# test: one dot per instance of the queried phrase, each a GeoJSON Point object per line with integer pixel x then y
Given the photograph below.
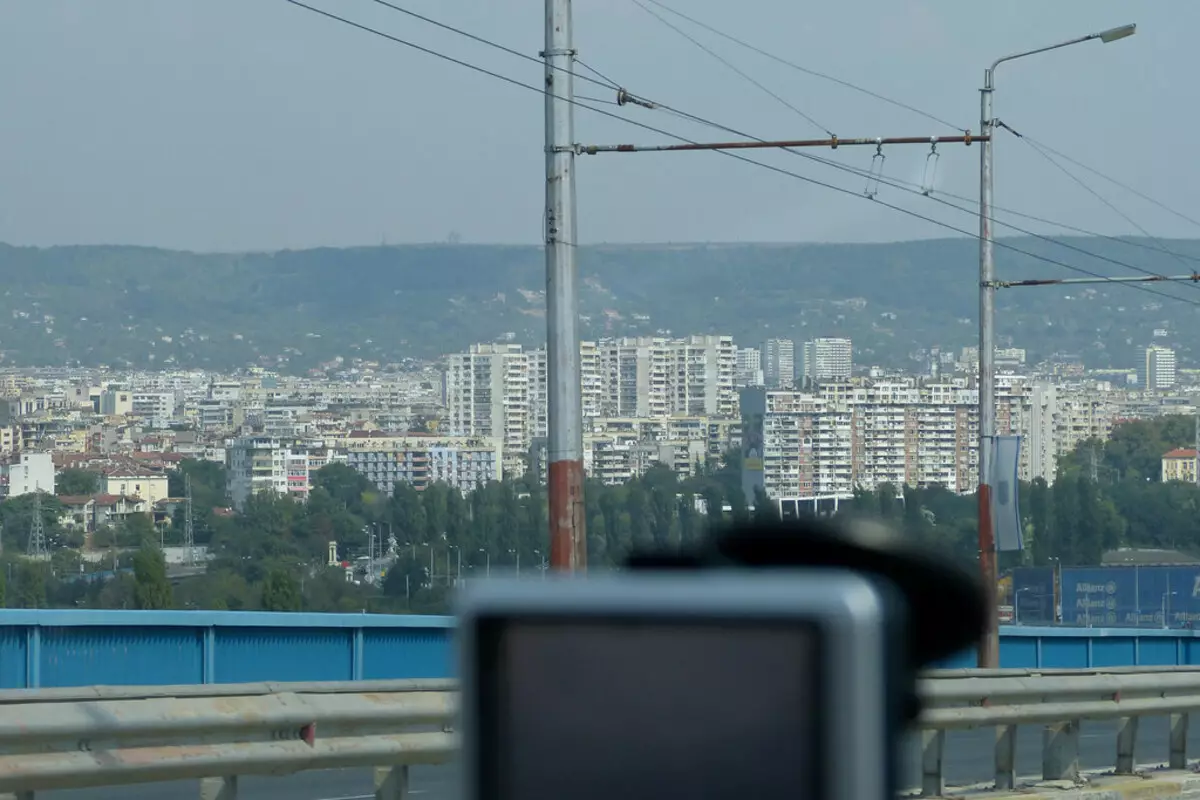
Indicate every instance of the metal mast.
{"type": "Point", "coordinates": [568, 536]}
{"type": "Point", "coordinates": [37, 532]}
{"type": "Point", "coordinates": [189, 532]}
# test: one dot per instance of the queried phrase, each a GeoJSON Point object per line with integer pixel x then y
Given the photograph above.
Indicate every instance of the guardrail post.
{"type": "Point", "coordinates": [1060, 751]}
{"type": "Point", "coordinates": [1126, 739]}
{"type": "Point", "coordinates": [219, 788]}
{"type": "Point", "coordinates": [391, 783]}
{"type": "Point", "coordinates": [933, 744]}
{"type": "Point", "coordinates": [1006, 757]}
{"type": "Point", "coordinates": [1179, 737]}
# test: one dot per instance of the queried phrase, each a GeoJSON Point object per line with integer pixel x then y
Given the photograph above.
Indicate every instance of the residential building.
{"type": "Point", "coordinates": [1158, 369]}
{"type": "Point", "coordinates": [486, 393]}
{"type": "Point", "coordinates": [157, 409]}
{"type": "Point", "coordinates": [142, 484]}
{"type": "Point", "coordinates": [1179, 465]}
{"type": "Point", "coordinates": [749, 367]}
{"type": "Point", "coordinates": [256, 464]}
{"type": "Point", "coordinates": [385, 459]}
{"type": "Point", "coordinates": [34, 472]}
{"type": "Point", "coordinates": [779, 363]}
{"type": "Point", "coordinates": [828, 359]}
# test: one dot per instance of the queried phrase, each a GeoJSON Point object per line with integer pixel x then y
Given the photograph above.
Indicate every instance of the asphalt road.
{"type": "Point", "coordinates": [968, 756]}
{"type": "Point", "coordinates": [425, 783]}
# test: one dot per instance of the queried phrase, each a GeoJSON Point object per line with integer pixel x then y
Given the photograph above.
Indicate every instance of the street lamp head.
{"type": "Point", "coordinates": [1113, 34]}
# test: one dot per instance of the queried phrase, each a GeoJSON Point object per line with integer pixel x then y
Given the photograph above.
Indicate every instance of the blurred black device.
{"type": "Point", "coordinates": [773, 661]}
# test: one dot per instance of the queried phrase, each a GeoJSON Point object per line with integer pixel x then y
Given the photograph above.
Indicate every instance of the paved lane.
{"type": "Point", "coordinates": [427, 783]}
{"type": "Point", "coordinates": [968, 755]}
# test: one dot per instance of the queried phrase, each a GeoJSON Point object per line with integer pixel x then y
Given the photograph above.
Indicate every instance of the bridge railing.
{"type": "Point", "coordinates": [1060, 701]}
{"type": "Point", "coordinates": [108, 736]}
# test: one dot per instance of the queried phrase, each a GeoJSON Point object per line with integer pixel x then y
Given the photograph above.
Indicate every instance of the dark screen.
{"type": "Point", "coordinates": [618, 710]}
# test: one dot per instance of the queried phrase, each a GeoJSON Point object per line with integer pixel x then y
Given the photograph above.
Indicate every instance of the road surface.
{"type": "Point", "coordinates": [968, 756]}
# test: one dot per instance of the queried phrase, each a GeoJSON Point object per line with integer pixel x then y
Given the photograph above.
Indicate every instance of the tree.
{"type": "Point", "coordinates": [281, 592]}
{"type": "Point", "coordinates": [31, 584]}
{"type": "Point", "coordinates": [75, 481]}
{"type": "Point", "coordinates": [152, 590]}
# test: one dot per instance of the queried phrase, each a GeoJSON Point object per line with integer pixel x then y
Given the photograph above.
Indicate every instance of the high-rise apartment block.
{"type": "Point", "coordinates": [1158, 370]}
{"type": "Point", "coordinates": [500, 390]}
{"type": "Point", "coordinates": [749, 367]}
{"type": "Point", "coordinates": [828, 360]}
{"type": "Point", "coordinates": [779, 363]}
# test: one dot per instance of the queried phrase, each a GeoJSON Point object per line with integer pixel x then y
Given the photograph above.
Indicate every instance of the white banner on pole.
{"type": "Point", "coordinates": [1006, 512]}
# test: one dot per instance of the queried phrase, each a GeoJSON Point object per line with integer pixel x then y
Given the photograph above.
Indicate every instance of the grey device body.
{"type": "Point", "coordinates": [780, 686]}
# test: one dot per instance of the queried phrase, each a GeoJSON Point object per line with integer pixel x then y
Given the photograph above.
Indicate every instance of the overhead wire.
{"type": "Point", "coordinates": [800, 68]}
{"type": "Point", "coordinates": [1082, 184]}
{"type": "Point", "coordinates": [745, 75]}
{"type": "Point", "coordinates": [737, 156]}
{"type": "Point", "coordinates": [877, 176]}
{"type": "Point", "coordinates": [1161, 205]}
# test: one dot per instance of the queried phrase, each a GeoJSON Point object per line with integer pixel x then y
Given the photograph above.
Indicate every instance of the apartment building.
{"type": "Point", "coordinates": [749, 371]}
{"type": "Point", "coordinates": [256, 464]}
{"type": "Point", "coordinates": [659, 377]}
{"type": "Point", "coordinates": [33, 472]}
{"type": "Point", "coordinates": [828, 359]}
{"type": "Point", "coordinates": [156, 409]}
{"type": "Point", "coordinates": [779, 363]}
{"type": "Point", "coordinates": [487, 395]}
{"type": "Point", "coordinates": [1180, 465]}
{"type": "Point", "coordinates": [386, 459]}
{"type": "Point", "coordinates": [1158, 369]}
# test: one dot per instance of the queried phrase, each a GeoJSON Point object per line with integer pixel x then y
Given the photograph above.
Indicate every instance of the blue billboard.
{"type": "Point", "coordinates": [1033, 598]}
{"type": "Point", "coordinates": [1158, 596]}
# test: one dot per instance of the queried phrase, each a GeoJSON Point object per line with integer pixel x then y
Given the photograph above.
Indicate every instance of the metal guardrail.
{"type": "Point", "coordinates": [113, 735]}
{"type": "Point", "coordinates": [1059, 700]}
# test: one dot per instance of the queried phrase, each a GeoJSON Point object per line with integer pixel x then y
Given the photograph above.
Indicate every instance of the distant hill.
{"type": "Point", "coordinates": [142, 307]}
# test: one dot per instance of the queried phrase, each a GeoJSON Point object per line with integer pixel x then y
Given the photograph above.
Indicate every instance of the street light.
{"type": "Point", "coordinates": [1017, 603]}
{"type": "Point", "coordinates": [1166, 607]}
{"type": "Point", "coordinates": [989, 647]}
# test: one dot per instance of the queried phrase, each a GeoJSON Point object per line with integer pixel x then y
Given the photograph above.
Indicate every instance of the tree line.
{"type": "Point", "coordinates": [274, 555]}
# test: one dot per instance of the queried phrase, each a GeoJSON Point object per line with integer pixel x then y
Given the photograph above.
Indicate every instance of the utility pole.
{"type": "Point", "coordinates": [989, 645]}
{"type": "Point", "coordinates": [568, 535]}
{"type": "Point", "coordinates": [189, 532]}
{"type": "Point", "coordinates": [37, 531]}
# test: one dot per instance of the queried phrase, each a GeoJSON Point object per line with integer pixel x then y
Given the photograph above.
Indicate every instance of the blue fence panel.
{"type": "Point", "coordinates": [78, 648]}
{"type": "Point", "coordinates": [1033, 596]}
{"type": "Point", "coordinates": [84, 648]}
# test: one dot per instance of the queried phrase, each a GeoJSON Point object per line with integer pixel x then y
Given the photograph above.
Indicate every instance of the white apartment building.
{"type": "Point", "coordinates": [1158, 369]}
{"type": "Point", "coordinates": [157, 409]}
{"type": "Point", "coordinates": [749, 367]}
{"type": "Point", "coordinates": [463, 462]}
{"type": "Point", "coordinates": [256, 464]}
{"type": "Point", "coordinates": [659, 377]}
{"type": "Point", "coordinates": [828, 359]}
{"type": "Point", "coordinates": [116, 402]}
{"type": "Point", "coordinates": [779, 363]}
{"type": "Point", "coordinates": [501, 391]}
{"type": "Point", "coordinates": [33, 473]}
{"type": "Point", "coordinates": [487, 394]}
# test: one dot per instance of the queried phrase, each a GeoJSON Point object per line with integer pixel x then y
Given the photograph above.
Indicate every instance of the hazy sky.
{"type": "Point", "coordinates": [250, 124]}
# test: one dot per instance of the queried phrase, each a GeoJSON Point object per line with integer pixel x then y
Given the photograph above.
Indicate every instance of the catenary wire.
{"type": "Point", "coordinates": [600, 80]}
{"type": "Point", "coordinates": [1164, 206]}
{"type": "Point", "coordinates": [898, 185]}
{"type": "Point", "coordinates": [799, 68]}
{"type": "Point", "coordinates": [736, 156]}
{"type": "Point", "coordinates": [1082, 184]}
{"type": "Point", "coordinates": [609, 83]}
{"type": "Point", "coordinates": [733, 67]}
